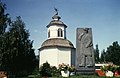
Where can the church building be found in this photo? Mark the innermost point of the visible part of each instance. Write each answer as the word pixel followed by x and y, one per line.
pixel 56 49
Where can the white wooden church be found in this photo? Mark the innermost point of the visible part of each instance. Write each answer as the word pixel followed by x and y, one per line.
pixel 56 49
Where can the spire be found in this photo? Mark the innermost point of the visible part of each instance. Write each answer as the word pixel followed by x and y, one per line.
pixel 56 17
pixel 56 10
pixel 59 30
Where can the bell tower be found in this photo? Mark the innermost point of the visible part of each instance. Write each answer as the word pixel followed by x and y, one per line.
pixel 56 45
pixel 56 28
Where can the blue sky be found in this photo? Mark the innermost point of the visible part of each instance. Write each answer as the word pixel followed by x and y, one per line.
pixel 103 16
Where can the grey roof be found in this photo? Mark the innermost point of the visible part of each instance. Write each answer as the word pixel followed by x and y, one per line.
pixel 56 22
pixel 57 42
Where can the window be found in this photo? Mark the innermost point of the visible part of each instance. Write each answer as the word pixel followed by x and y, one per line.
pixel 60 33
pixel 48 33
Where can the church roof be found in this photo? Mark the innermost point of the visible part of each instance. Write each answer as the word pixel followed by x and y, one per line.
pixel 56 21
pixel 57 42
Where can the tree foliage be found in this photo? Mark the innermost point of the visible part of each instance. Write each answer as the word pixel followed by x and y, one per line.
pixel 4 21
pixel 103 56
pixel 16 50
pixel 19 56
pixel 96 54
pixel 113 53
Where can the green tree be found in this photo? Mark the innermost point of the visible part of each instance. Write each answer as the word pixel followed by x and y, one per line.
pixel 4 21
pixel 19 57
pixel 113 53
pixel 4 18
pixel 103 56
pixel 96 54
pixel 16 52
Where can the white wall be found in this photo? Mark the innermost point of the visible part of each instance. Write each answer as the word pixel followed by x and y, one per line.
pixel 49 55
pixel 54 31
pixel 56 56
pixel 64 55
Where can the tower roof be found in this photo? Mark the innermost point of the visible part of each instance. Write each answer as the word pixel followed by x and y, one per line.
pixel 56 20
pixel 57 42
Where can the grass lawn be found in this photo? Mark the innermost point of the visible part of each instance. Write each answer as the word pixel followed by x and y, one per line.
pixel 85 76
pixel 76 76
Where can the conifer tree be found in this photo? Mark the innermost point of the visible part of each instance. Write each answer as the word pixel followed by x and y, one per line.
pixel 103 56
pixel 96 54
pixel 19 57
pixel 113 53
pixel 4 21
pixel 16 50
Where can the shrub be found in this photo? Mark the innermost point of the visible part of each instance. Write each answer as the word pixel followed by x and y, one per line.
pixel 109 67
pixel 55 72
pixel 65 67
pixel 45 70
pixel 49 71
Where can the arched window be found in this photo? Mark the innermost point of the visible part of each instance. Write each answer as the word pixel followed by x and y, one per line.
pixel 48 33
pixel 60 32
